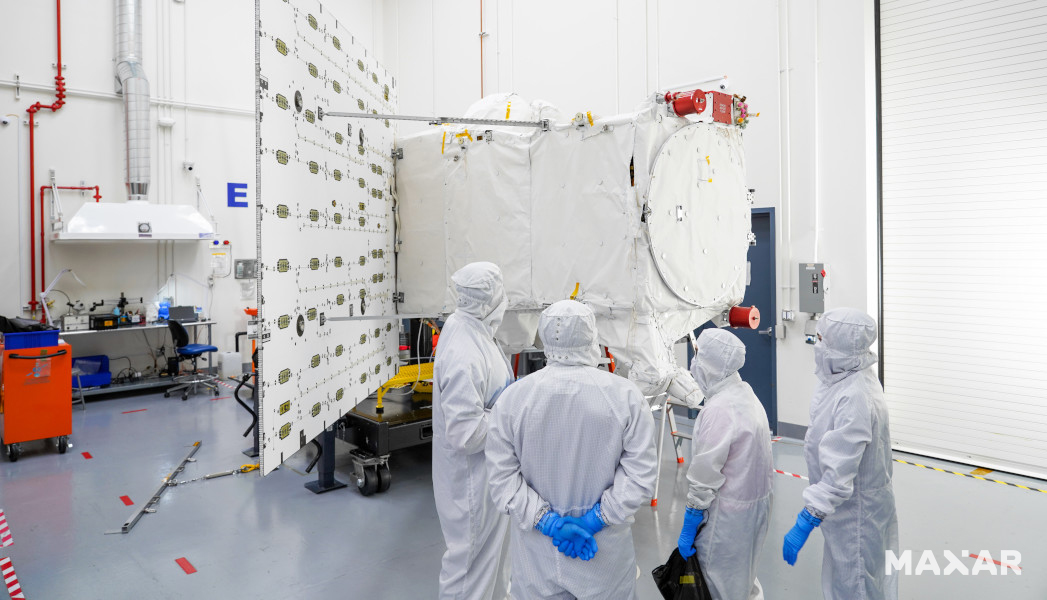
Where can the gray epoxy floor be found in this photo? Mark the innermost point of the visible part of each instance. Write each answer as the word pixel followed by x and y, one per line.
pixel 250 537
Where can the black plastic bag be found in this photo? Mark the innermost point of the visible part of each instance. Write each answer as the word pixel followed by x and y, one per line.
pixel 681 579
pixel 16 325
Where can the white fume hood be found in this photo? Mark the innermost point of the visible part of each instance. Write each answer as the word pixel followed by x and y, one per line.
pixel 134 220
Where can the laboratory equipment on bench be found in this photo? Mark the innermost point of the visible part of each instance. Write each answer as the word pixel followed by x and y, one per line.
pixel 183 314
pixel 120 316
pixel 36 393
pixel 121 303
pixel 76 322
pixel 103 322
pixel 47 291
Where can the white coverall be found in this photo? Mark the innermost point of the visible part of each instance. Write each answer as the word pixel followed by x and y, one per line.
pixel 730 474
pixel 563 439
pixel 848 452
pixel 470 373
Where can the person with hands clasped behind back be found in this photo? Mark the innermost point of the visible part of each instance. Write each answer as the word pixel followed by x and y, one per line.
pixel 571 459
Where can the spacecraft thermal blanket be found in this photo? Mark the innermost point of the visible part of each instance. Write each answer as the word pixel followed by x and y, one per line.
pixel 647 213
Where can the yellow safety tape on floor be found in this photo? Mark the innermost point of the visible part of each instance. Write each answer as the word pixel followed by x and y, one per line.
pixel 973 475
pixel 940 470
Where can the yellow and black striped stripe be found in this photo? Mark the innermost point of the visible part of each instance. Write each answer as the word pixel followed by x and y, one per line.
pixel 1001 482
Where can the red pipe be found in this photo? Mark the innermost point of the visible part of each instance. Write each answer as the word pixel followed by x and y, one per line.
pixel 97 197
pixel 97 189
pixel 32 219
pixel 32 110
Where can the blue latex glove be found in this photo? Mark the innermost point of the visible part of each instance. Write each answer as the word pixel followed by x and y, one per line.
pixel 592 521
pixel 575 542
pixel 568 537
pixel 692 519
pixel 797 536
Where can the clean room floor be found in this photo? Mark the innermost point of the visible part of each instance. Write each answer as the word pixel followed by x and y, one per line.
pixel 253 537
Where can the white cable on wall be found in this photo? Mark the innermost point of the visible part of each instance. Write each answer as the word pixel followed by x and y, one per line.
pixel 817 134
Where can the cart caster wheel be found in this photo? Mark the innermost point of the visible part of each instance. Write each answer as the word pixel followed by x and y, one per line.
pixel 13 452
pixel 385 478
pixel 167 394
pixel 369 483
pixel 185 397
pixel 63 444
pixel 216 392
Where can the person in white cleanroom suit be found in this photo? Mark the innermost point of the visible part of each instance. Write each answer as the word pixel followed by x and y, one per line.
pixel 574 443
pixel 730 474
pixel 848 452
pixel 470 373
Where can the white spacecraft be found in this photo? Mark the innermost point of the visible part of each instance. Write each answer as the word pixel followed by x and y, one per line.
pixel 643 216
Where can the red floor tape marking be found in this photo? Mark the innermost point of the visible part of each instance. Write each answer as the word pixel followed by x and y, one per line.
pixel 126 500
pixel 5 532
pixel 791 474
pixel 222 398
pixel 87 455
pixel 127 412
pixel 186 566
pixel 1006 566
pixel 10 579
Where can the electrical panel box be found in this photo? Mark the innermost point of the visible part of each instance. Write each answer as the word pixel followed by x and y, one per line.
pixel 812 287
pixel 246 268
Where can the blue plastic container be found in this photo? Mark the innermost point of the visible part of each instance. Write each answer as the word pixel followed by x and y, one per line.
pixel 30 339
pixel 95 371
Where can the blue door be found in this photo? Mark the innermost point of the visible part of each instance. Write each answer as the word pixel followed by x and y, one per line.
pixel 760 370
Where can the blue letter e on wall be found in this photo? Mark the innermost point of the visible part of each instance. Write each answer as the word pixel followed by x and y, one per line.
pixel 237 190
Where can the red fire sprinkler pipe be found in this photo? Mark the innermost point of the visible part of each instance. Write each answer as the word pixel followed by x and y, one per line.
pixel 32 110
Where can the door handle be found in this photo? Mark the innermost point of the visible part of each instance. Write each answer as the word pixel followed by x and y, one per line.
pixel 768 332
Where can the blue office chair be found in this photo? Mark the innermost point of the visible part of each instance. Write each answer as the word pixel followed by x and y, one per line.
pixel 186 351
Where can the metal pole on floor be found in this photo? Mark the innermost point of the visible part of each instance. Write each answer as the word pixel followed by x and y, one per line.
pixel 325 481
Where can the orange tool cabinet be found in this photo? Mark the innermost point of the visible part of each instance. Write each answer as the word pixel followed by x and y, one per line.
pixel 35 396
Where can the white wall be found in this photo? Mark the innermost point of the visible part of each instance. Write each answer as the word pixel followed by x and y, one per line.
pixel 199 58
pixel 805 65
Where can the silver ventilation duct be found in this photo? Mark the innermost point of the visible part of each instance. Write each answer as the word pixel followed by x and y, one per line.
pixel 135 86
pixel 135 219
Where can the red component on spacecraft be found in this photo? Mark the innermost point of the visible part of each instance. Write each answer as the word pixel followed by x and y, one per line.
pixel 744 317
pixel 707 106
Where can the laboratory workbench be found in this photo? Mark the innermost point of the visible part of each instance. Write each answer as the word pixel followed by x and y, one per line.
pixel 146 382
